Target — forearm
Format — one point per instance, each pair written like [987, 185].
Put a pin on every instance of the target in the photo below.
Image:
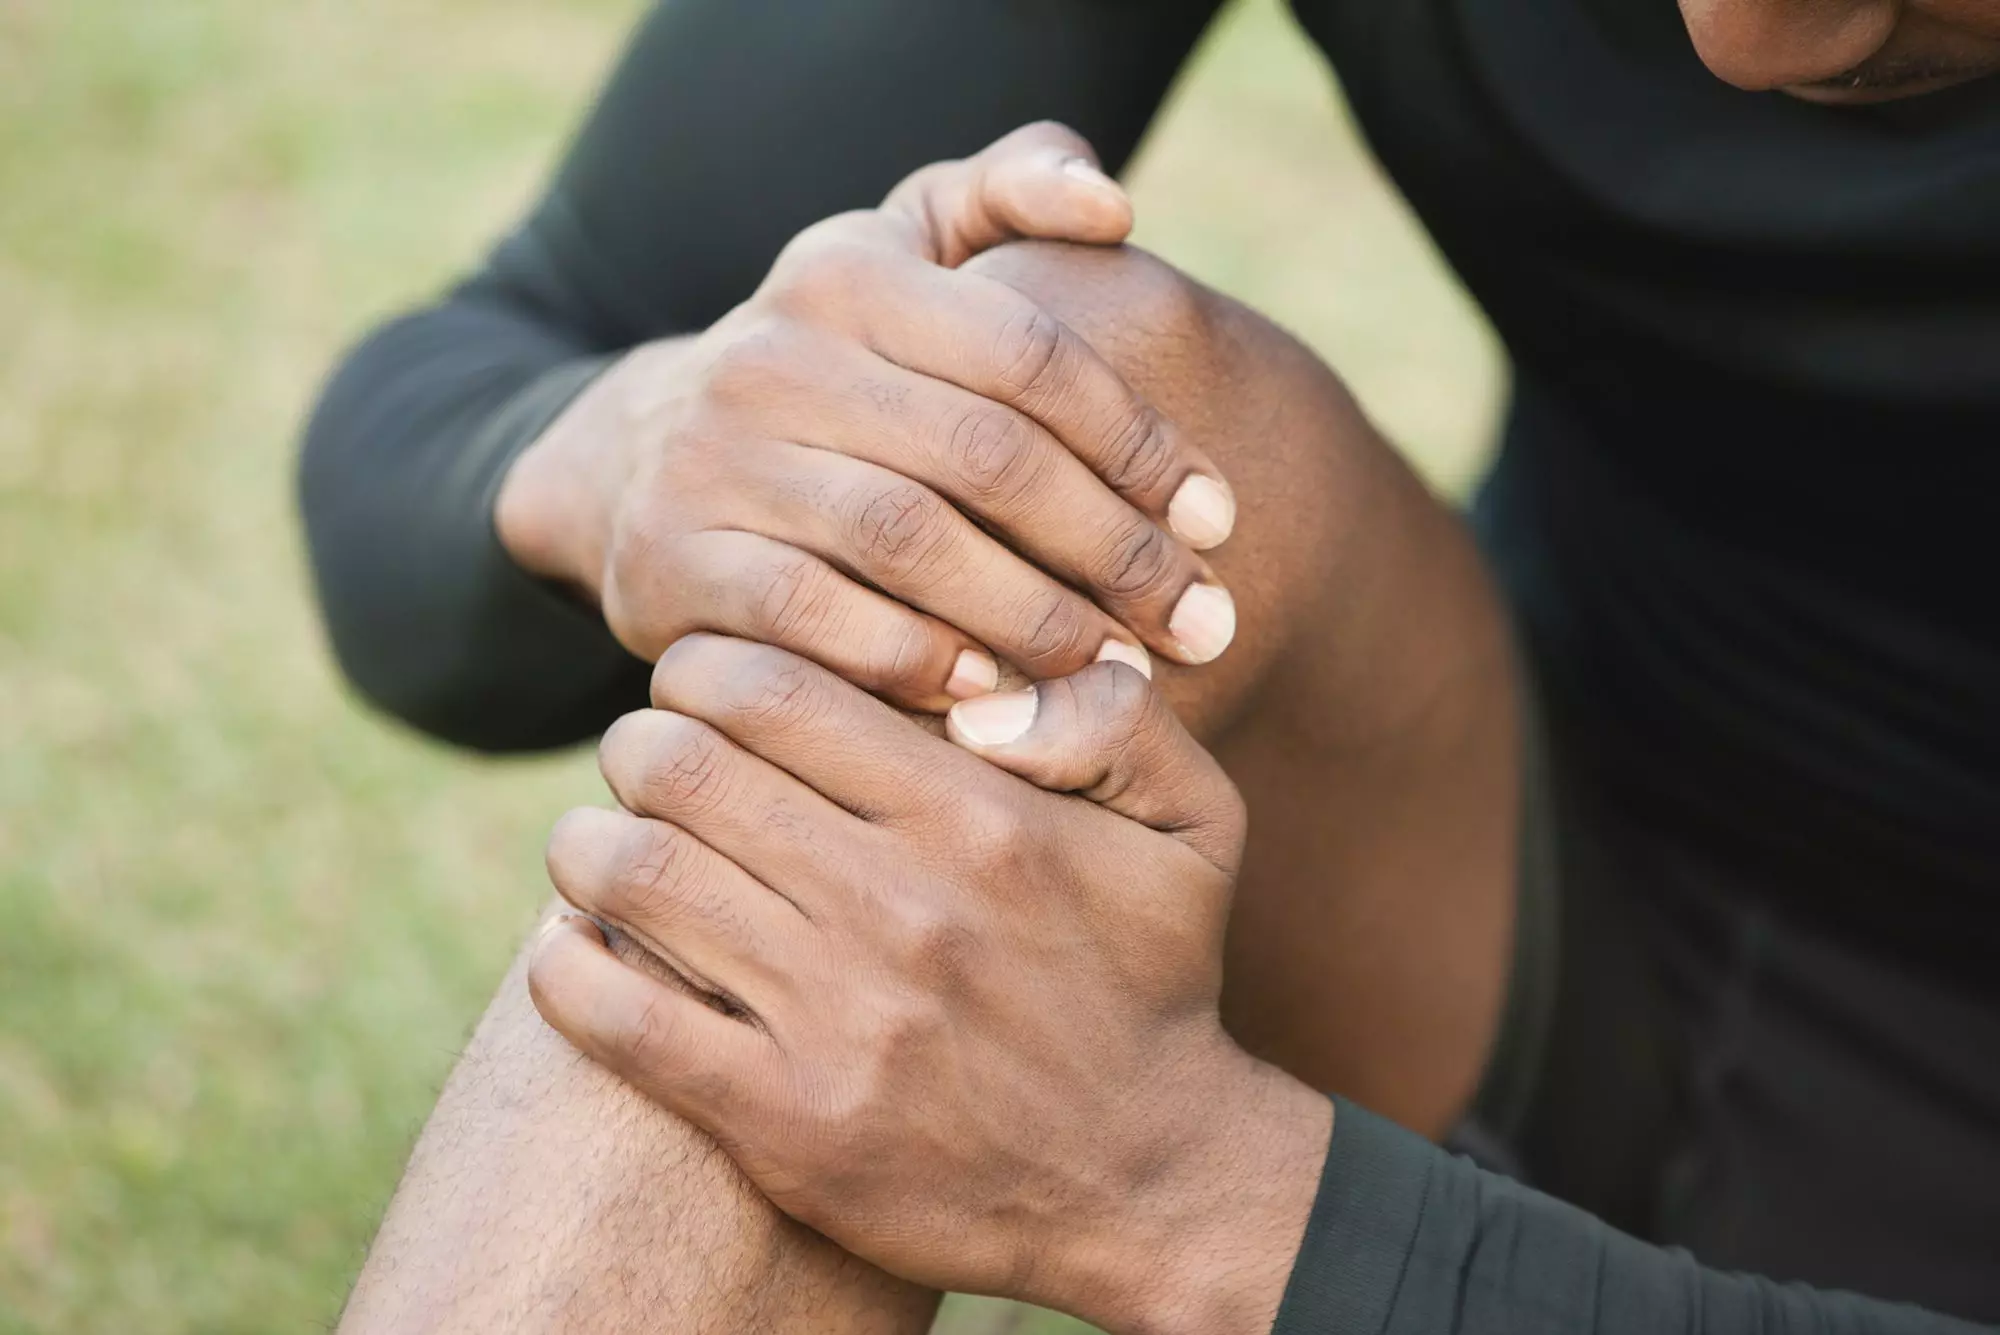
[1408, 1240]
[1366, 709]
[654, 227]
[544, 1195]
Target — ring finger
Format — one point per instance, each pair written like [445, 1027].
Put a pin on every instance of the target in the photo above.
[689, 905]
[1004, 468]
[761, 588]
[908, 541]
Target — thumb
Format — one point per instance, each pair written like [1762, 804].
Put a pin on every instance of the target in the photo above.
[1042, 181]
[1105, 734]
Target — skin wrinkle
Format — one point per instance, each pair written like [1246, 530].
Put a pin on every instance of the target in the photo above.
[1303, 464]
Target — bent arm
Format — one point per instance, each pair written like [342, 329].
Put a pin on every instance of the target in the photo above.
[729, 126]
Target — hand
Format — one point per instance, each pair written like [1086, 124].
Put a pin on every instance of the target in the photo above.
[841, 464]
[961, 1023]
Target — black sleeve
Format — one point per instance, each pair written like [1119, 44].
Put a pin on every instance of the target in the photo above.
[728, 127]
[1406, 1239]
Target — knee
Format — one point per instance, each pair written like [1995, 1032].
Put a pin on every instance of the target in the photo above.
[1138, 311]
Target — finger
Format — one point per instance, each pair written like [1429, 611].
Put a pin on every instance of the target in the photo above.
[865, 273]
[1004, 468]
[1042, 181]
[678, 768]
[905, 539]
[1105, 734]
[760, 588]
[685, 902]
[982, 335]
[668, 1045]
[796, 715]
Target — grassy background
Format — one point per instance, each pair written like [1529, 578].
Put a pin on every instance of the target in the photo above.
[243, 925]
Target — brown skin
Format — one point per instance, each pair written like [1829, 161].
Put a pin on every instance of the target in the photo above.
[547, 1196]
[1365, 710]
[845, 427]
[895, 1057]
[1365, 703]
[1846, 52]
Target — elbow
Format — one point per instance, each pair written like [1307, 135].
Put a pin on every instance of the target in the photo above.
[373, 558]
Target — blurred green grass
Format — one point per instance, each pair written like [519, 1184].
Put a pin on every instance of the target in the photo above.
[244, 926]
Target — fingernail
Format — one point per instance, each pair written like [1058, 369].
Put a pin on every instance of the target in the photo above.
[1202, 513]
[553, 925]
[1117, 651]
[1083, 170]
[973, 674]
[1204, 621]
[995, 720]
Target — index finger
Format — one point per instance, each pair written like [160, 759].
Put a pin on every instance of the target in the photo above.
[869, 274]
[833, 737]
[984, 336]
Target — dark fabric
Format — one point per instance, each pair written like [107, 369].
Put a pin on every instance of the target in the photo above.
[729, 126]
[1489, 1256]
[1740, 507]
[1754, 1097]
[1785, 1102]
[1753, 1093]
[1754, 341]
[1754, 344]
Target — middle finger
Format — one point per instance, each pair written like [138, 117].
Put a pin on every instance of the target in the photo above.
[1000, 465]
[905, 539]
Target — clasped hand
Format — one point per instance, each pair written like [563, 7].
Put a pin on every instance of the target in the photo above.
[952, 1003]
[895, 467]
[954, 1006]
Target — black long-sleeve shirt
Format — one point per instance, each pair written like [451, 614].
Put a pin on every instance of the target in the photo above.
[1750, 455]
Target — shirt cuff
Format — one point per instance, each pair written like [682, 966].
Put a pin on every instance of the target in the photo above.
[1362, 1229]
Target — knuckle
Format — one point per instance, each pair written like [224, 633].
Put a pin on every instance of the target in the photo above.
[896, 527]
[644, 557]
[623, 744]
[1054, 628]
[1141, 454]
[568, 852]
[1137, 559]
[825, 268]
[932, 178]
[993, 452]
[751, 368]
[652, 887]
[1027, 352]
[793, 594]
[994, 826]
[772, 687]
[901, 656]
[934, 946]
[687, 771]
[646, 1035]
[1046, 132]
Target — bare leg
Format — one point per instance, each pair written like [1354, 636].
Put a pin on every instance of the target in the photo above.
[1366, 711]
[545, 1196]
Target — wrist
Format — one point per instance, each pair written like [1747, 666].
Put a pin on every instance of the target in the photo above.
[557, 503]
[1205, 1245]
